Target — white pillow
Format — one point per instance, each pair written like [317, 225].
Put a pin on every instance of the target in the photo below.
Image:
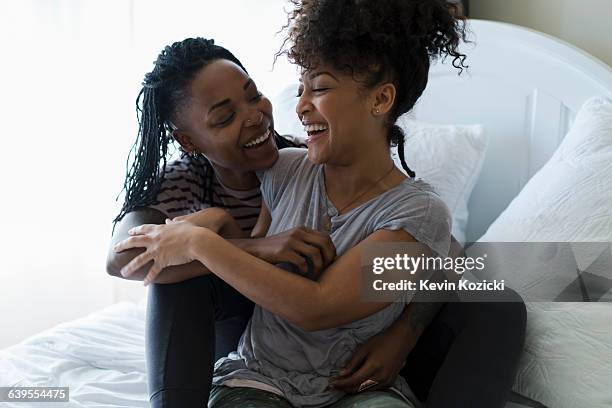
[566, 360]
[567, 355]
[447, 157]
[570, 198]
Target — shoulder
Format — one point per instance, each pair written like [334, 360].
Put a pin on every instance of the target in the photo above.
[291, 167]
[290, 161]
[417, 208]
[183, 166]
[180, 191]
[290, 157]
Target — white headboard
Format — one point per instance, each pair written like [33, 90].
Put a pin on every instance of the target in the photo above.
[525, 87]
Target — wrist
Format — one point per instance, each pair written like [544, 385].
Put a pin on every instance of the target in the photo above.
[221, 219]
[407, 334]
[197, 239]
[249, 245]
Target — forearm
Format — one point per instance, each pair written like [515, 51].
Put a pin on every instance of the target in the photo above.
[416, 317]
[286, 294]
[171, 274]
[418, 314]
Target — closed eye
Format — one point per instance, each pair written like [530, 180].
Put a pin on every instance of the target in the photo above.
[228, 120]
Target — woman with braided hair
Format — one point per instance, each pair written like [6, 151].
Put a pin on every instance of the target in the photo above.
[310, 337]
[201, 96]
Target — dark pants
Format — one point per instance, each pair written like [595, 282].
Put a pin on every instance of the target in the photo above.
[467, 357]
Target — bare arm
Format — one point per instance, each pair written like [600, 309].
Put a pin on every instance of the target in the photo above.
[291, 246]
[382, 356]
[417, 315]
[117, 260]
[314, 305]
[263, 222]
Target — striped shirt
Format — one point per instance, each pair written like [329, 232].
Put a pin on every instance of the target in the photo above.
[182, 191]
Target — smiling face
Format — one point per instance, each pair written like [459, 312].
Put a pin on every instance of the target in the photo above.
[336, 114]
[227, 119]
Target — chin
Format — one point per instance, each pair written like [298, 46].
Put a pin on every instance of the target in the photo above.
[265, 161]
[316, 156]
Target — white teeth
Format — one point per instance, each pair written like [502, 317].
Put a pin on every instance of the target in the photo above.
[314, 127]
[259, 140]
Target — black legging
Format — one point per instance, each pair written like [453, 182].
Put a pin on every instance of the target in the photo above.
[467, 357]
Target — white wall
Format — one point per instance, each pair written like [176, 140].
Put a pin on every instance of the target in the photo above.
[70, 71]
[587, 24]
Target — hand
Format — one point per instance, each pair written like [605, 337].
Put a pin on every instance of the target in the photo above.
[294, 245]
[380, 359]
[212, 218]
[165, 245]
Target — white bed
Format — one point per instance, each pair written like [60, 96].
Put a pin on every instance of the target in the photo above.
[523, 86]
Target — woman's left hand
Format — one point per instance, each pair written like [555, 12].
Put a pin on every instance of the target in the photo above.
[375, 364]
[165, 245]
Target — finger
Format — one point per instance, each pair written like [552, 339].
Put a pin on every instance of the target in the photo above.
[168, 221]
[301, 263]
[141, 229]
[135, 264]
[323, 242]
[181, 217]
[154, 271]
[131, 242]
[352, 382]
[313, 253]
[297, 260]
[354, 362]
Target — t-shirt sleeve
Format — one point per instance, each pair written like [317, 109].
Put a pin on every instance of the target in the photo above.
[423, 215]
[276, 179]
[180, 191]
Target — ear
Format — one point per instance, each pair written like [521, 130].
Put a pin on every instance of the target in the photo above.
[383, 98]
[184, 140]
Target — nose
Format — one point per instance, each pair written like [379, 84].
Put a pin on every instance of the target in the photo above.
[255, 118]
[303, 105]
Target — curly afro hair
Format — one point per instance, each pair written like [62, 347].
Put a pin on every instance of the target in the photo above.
[376, 41]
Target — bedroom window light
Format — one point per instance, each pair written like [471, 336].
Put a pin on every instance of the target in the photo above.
[67, 101]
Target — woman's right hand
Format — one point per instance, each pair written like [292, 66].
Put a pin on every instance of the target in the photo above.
[293, 246]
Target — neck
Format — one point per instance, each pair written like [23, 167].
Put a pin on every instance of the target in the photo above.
[361, 175]
[236, 180]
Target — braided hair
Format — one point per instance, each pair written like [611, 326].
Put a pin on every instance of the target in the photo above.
[164, 93]
[376, 41]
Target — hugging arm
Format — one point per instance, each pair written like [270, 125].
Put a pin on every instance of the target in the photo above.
[115, 261]
[333, 300]
[382, 356]
[290, 246]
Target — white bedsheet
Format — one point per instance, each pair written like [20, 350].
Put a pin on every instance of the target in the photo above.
[100, 357]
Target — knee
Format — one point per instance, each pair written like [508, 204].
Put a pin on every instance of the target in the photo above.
[513, 308]
[507, 312]
[199, 289]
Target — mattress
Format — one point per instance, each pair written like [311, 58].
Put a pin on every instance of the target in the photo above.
[99, 357]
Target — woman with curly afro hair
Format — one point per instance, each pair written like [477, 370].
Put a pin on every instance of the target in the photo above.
[364, 63]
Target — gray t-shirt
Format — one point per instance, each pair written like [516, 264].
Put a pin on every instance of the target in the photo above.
[280, 354]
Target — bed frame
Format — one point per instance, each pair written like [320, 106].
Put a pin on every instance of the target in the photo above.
[525, 87]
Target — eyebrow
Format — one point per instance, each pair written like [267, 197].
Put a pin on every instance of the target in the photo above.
[248, 83]
[316, 74]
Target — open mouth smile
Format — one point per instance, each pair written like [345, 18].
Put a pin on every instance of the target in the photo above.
[258, 141]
